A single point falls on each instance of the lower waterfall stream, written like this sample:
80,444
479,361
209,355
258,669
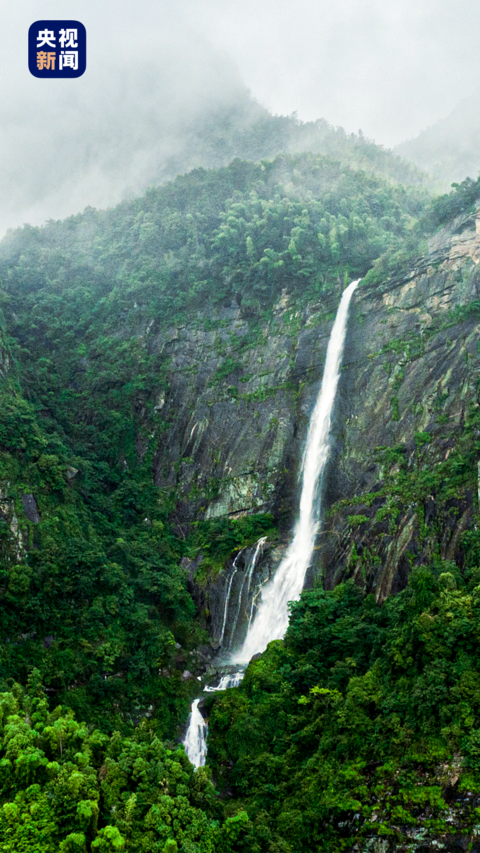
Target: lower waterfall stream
271,617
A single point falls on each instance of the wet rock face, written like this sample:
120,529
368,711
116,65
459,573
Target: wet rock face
239,391
237,396
30,508
229,600
411,367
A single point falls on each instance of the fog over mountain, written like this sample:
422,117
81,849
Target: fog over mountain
113,131
449,149
166,90
239,388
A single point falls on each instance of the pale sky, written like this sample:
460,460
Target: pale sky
390,68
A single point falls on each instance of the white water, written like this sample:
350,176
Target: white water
271,619
195,742
254,603
232,680
248,582
251,568
196,737
227,598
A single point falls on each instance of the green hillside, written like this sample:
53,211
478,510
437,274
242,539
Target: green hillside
100,636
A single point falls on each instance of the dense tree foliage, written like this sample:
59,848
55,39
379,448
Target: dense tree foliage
327,736
65,788
463,199
94,594
297,222
354,725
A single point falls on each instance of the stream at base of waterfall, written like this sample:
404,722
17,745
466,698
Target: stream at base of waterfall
270,621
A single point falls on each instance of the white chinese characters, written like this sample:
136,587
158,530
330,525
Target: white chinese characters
46,37
68,59
68,38
57,49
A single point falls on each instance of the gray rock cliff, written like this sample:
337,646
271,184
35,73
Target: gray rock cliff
239,391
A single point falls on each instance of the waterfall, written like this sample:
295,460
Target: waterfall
254,601
271,619
251,568
195,742
247,582
227,598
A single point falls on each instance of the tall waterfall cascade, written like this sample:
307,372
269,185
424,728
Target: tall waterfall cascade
270,620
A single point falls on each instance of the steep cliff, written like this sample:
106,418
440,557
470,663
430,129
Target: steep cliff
189,349
167,358
405,462
240,391
359,731
169,352
234,413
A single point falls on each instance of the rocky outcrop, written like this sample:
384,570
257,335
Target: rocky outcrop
234,412
410,375
238,391
30,508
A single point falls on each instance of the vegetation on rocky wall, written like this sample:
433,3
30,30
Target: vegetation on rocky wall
336,733
460,200
456,206
91,592
102,599
364,722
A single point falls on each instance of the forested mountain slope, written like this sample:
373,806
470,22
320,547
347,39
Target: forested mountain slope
117,142
247,131
159,365
118,325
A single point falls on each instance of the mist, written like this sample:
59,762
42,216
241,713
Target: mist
392,69
92,141
158,79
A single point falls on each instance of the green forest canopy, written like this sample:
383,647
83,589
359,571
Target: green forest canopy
93,596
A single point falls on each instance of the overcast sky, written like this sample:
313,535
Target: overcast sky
389,67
